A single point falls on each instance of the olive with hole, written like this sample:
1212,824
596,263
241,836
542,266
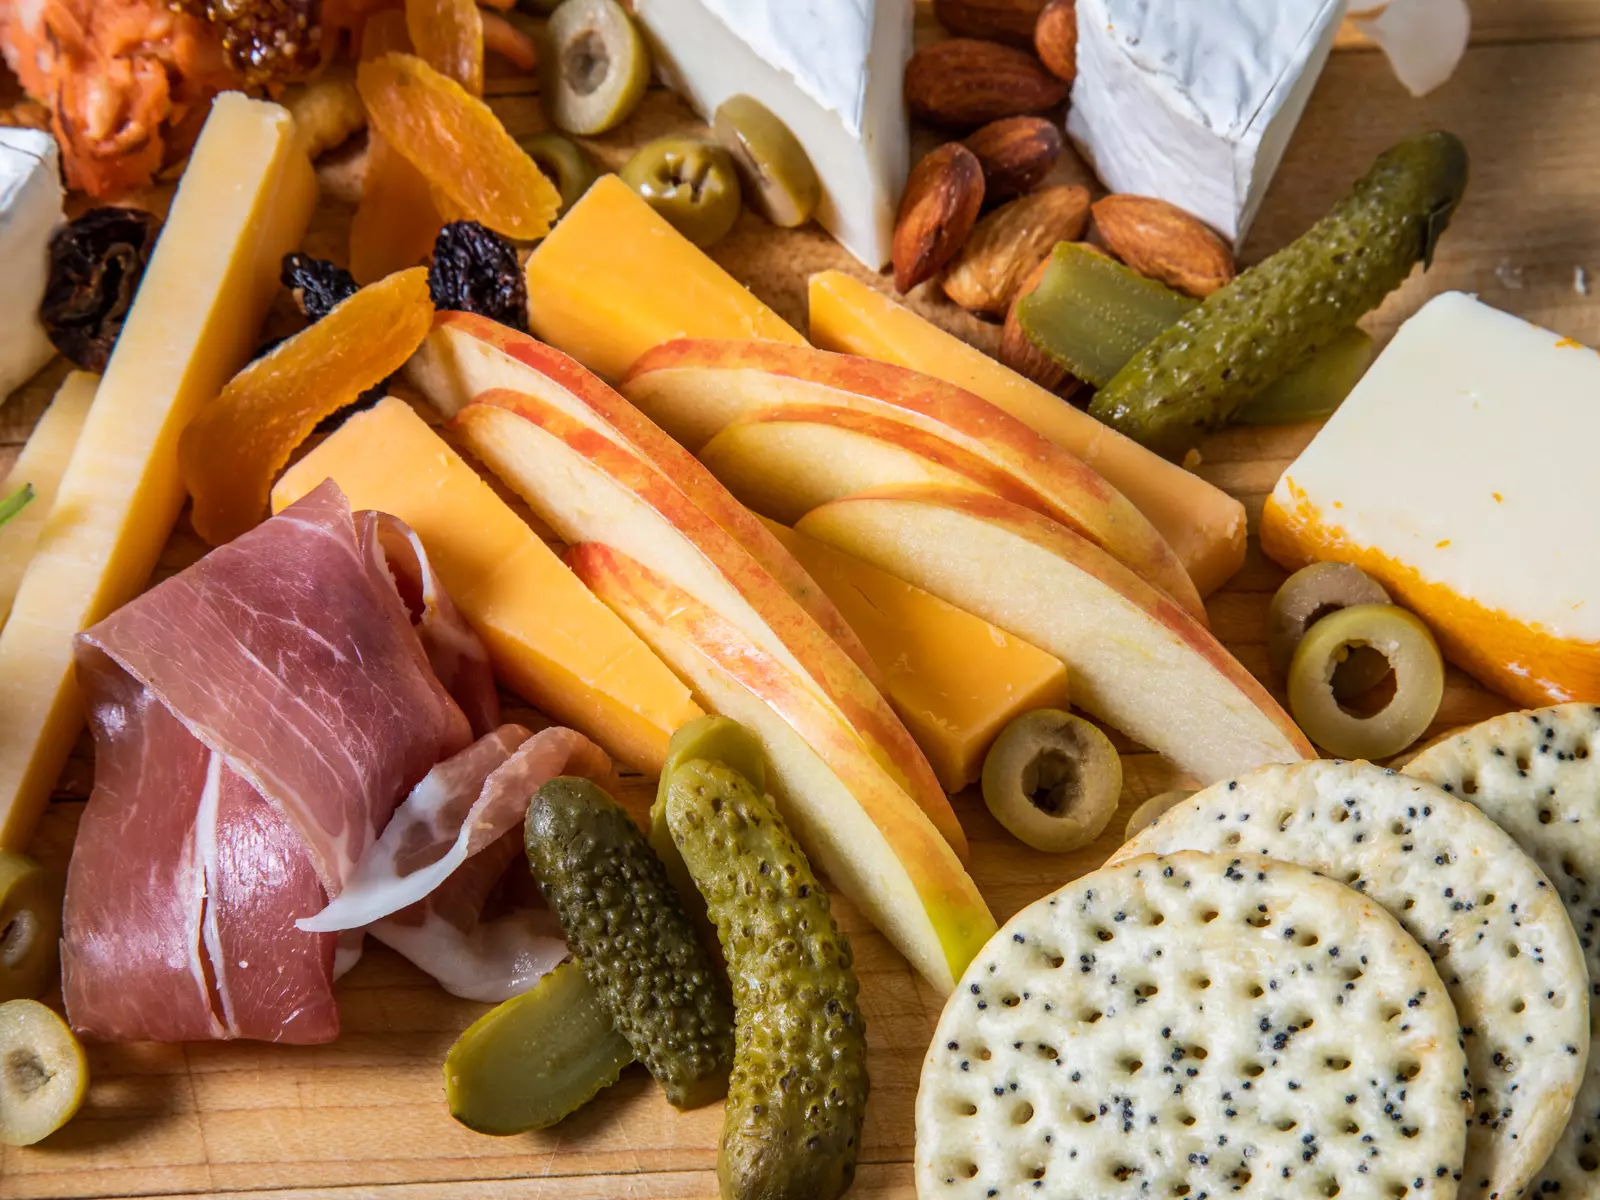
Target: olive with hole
779,180
1408,647
1052,779
564,163
689,181
43,1072
593,66
1148,813
30,927
1307,596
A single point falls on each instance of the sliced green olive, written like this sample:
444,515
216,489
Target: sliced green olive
1412,654
779,180
593,66
564,163
1151,810
689,181
43,1072
1311,594
1052,779
536,1058
30,927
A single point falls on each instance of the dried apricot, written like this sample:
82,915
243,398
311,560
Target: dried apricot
448,36
234,449
459,144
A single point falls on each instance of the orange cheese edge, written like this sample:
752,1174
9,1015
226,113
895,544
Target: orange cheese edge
614,279
1204,525
551,640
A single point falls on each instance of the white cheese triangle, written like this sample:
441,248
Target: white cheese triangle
30,210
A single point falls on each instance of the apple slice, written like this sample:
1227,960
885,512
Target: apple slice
695,388
590,488
854,821
466,354
1137,661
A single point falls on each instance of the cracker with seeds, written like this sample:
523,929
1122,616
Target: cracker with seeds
1478,905
1195,1026
1538,775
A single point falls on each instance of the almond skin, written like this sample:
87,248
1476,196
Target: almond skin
942,200
963,83
1016,154
1055,38
1009,21
1161,241
1017,350
1009,244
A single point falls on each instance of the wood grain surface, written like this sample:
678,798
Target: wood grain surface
365,1116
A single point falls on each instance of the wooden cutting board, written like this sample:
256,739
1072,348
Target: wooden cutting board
365,1116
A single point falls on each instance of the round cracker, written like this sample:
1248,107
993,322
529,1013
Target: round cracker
1460,885
1537,774
1175,1027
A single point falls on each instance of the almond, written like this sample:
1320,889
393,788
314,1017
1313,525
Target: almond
1010,242
1055,38
1017,350
963,83
1016,154
1009,21
938,210
1161,241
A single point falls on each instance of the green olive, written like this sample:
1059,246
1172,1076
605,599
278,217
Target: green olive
43,1072
593,66
30,927
1311,594
1151,810
715,739
1412,654
1052,779
564,163
689,181
779,180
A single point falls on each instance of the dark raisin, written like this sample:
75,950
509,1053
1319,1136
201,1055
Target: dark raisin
318,286
476,270
96,265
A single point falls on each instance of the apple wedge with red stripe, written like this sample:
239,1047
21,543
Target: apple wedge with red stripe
855,822
1138,661
694,389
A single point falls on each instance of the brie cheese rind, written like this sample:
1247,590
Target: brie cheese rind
1195,103
831,70
30,210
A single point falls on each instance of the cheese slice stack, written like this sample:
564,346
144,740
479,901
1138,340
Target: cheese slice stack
1460,473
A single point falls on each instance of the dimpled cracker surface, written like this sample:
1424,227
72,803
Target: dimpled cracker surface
1195,1026
1536,773
1458,883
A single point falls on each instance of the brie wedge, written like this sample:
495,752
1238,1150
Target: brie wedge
30,210
1195,103
831,70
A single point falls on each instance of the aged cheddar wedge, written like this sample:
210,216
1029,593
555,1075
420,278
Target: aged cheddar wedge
1204,526
955,679
243,203
1460,473
613,280
552,641
42,464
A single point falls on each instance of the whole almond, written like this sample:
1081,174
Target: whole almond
942,200
963,83
1009,21
1016,154
1161,241
1008,244
1017,350
1055,38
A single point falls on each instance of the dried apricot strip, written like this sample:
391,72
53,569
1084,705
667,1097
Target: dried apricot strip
459,144
235,448
448,36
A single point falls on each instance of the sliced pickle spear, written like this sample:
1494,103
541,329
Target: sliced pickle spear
1150,811
1052,779
564,163
536,1058
593,65
1307,596
30,927
43,1072
689,181
1314,388
779,180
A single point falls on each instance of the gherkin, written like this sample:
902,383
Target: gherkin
798,1093
626,924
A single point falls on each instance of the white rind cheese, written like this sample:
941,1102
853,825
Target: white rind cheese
1195,103
30,210
831,70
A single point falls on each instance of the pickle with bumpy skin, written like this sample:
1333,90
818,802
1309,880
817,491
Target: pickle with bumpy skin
626,923
716,739
798,1092
1196,375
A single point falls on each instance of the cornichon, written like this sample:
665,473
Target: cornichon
626,924
1315,387
1193,377
792,1129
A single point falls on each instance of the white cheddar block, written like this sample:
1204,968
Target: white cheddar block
30,210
